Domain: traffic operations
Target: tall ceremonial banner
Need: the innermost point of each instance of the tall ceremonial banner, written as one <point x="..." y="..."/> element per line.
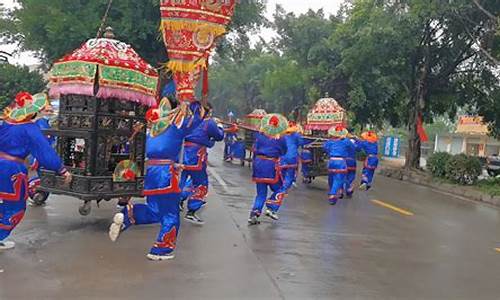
<point x="190" y="29"/>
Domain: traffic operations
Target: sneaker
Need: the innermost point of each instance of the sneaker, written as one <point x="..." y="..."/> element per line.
<point x="116" y="227"/>
<point x="333" y="201"/>
<point x="271" y="214"/>
<point x="191" y="217"/>
<point x="155" y="257"/>
<point x="364" y="186"/>
<point x="253" y="220"/>
<point x="6" y="245"/>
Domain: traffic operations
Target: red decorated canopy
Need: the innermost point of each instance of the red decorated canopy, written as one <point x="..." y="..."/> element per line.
<point x="325" y="114"/>
<point x="121" y="73"/>
<point x="190" y="29"/>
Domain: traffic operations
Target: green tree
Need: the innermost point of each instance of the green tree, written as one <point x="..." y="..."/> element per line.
<point x="410" y="58"/>
<point x="14" y="79"/>
<point x="52" y="28"/>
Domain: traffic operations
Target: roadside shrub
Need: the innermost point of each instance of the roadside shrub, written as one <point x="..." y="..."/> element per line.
<point x="463" y="169"/>
<point x="436" y="164"/>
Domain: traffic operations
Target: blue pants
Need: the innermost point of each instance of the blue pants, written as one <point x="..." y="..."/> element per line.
<point x="350" y="176"/>
<point x="371" y="165"/>
<point x="199" y="188"/>
<point x="306" y="168"/>
<point x="238" y="150"/>
<point x="337" y="170"/>
<point x="12" y="210"/>
<point x="163" y="209"/>
<point x="289" y="176"/>
<point x="274" y="202"/>
<point x="367" y="176"/>
<point x="227" y="150"/>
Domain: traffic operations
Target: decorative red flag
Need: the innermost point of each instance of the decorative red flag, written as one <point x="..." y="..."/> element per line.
<point x="421" y="130"/>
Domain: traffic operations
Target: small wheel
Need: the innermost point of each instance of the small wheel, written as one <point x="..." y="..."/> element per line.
<point x="39" y="198"/>
<point x="85" y="208"/>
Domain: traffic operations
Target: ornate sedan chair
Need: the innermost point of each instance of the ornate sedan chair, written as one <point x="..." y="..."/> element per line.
<point x="105" y="89"/>
<point x="325" y="114"/>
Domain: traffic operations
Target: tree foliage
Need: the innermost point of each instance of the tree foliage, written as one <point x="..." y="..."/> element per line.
<point x="410" y="58"/>
<point x="385" y="61"/>
<point x="55" y="27"/>
<point x="14" y="79"/>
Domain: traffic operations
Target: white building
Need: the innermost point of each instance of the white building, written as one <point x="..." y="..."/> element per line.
<point x="471" y="138"/>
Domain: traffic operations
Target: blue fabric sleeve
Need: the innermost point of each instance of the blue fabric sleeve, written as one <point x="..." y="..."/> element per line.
<point x="304" y="141"/>
<point x="194" y="120"/>
<point x="42" y="151"/>
<point x="214" y="132"/>
<point x="326" y="146"/>
<point x="283" y="146"/>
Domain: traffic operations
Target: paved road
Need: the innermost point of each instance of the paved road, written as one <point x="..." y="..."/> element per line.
<point x="413" y="243"/>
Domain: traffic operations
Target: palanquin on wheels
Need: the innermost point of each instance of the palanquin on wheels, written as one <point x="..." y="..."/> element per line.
<point x="325" y="114"/>
<point x="92" y="138"/>
<point x="105" y="89"/>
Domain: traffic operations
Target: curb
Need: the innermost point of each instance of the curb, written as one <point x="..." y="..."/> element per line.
<point x="423" y="179"/>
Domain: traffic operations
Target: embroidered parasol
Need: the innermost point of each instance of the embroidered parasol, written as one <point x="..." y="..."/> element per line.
<point x="255" y="117"/>
<point x="190" y="29"/>
<point x="26" y="105"/>
<point x="274" y="125"/>
<point x="126" y="170"/>
<point x="107" y="65"/>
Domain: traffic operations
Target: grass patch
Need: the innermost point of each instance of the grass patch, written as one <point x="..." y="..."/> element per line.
<point x="490" y="186"/>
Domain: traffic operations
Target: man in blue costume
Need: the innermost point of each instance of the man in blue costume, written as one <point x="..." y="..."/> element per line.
<point x="161" y="185"/>
<point x="306" y="160"/>
<point x="369" y="144"/>
<point x="351" y="167"/>
<point x="20" y="137"/>
<point x="195" y="163"/>
<point x="39" y="197"/>
<point x="337" y="149"/>
<point x="289" y="162"/>
<point x="268" y="148"/>
<point x="230" y="139"/>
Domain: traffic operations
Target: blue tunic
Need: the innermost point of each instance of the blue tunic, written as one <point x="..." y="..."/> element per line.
<point x="267" y="151"/>
<point x="339" y="147"/>
<point x="163" y="151"/>
<point x="203" y="137"/>
<point x="20" y="140"/>
<point x="371" y="150"/>
<point x="293" y="142"/>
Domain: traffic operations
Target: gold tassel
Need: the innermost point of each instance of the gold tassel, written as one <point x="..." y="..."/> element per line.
<point x="169" y="24"/>
<point x="186" y="66"/>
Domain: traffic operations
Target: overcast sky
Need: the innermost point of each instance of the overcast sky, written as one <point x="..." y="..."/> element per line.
<point x="296" y="6"/>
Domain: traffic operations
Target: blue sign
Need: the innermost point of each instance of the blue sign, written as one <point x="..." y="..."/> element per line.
<point x="392" y="146"/>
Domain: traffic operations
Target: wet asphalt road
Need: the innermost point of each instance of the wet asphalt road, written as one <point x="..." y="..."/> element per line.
<point x="428" y="246"/>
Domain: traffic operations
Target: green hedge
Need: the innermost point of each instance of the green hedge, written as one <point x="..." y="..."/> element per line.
<point x="436" y="164"/>
<point x="463" y="169"/>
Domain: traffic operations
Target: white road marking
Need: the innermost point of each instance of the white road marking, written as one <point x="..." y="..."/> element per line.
<point x="219" y="179"/>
